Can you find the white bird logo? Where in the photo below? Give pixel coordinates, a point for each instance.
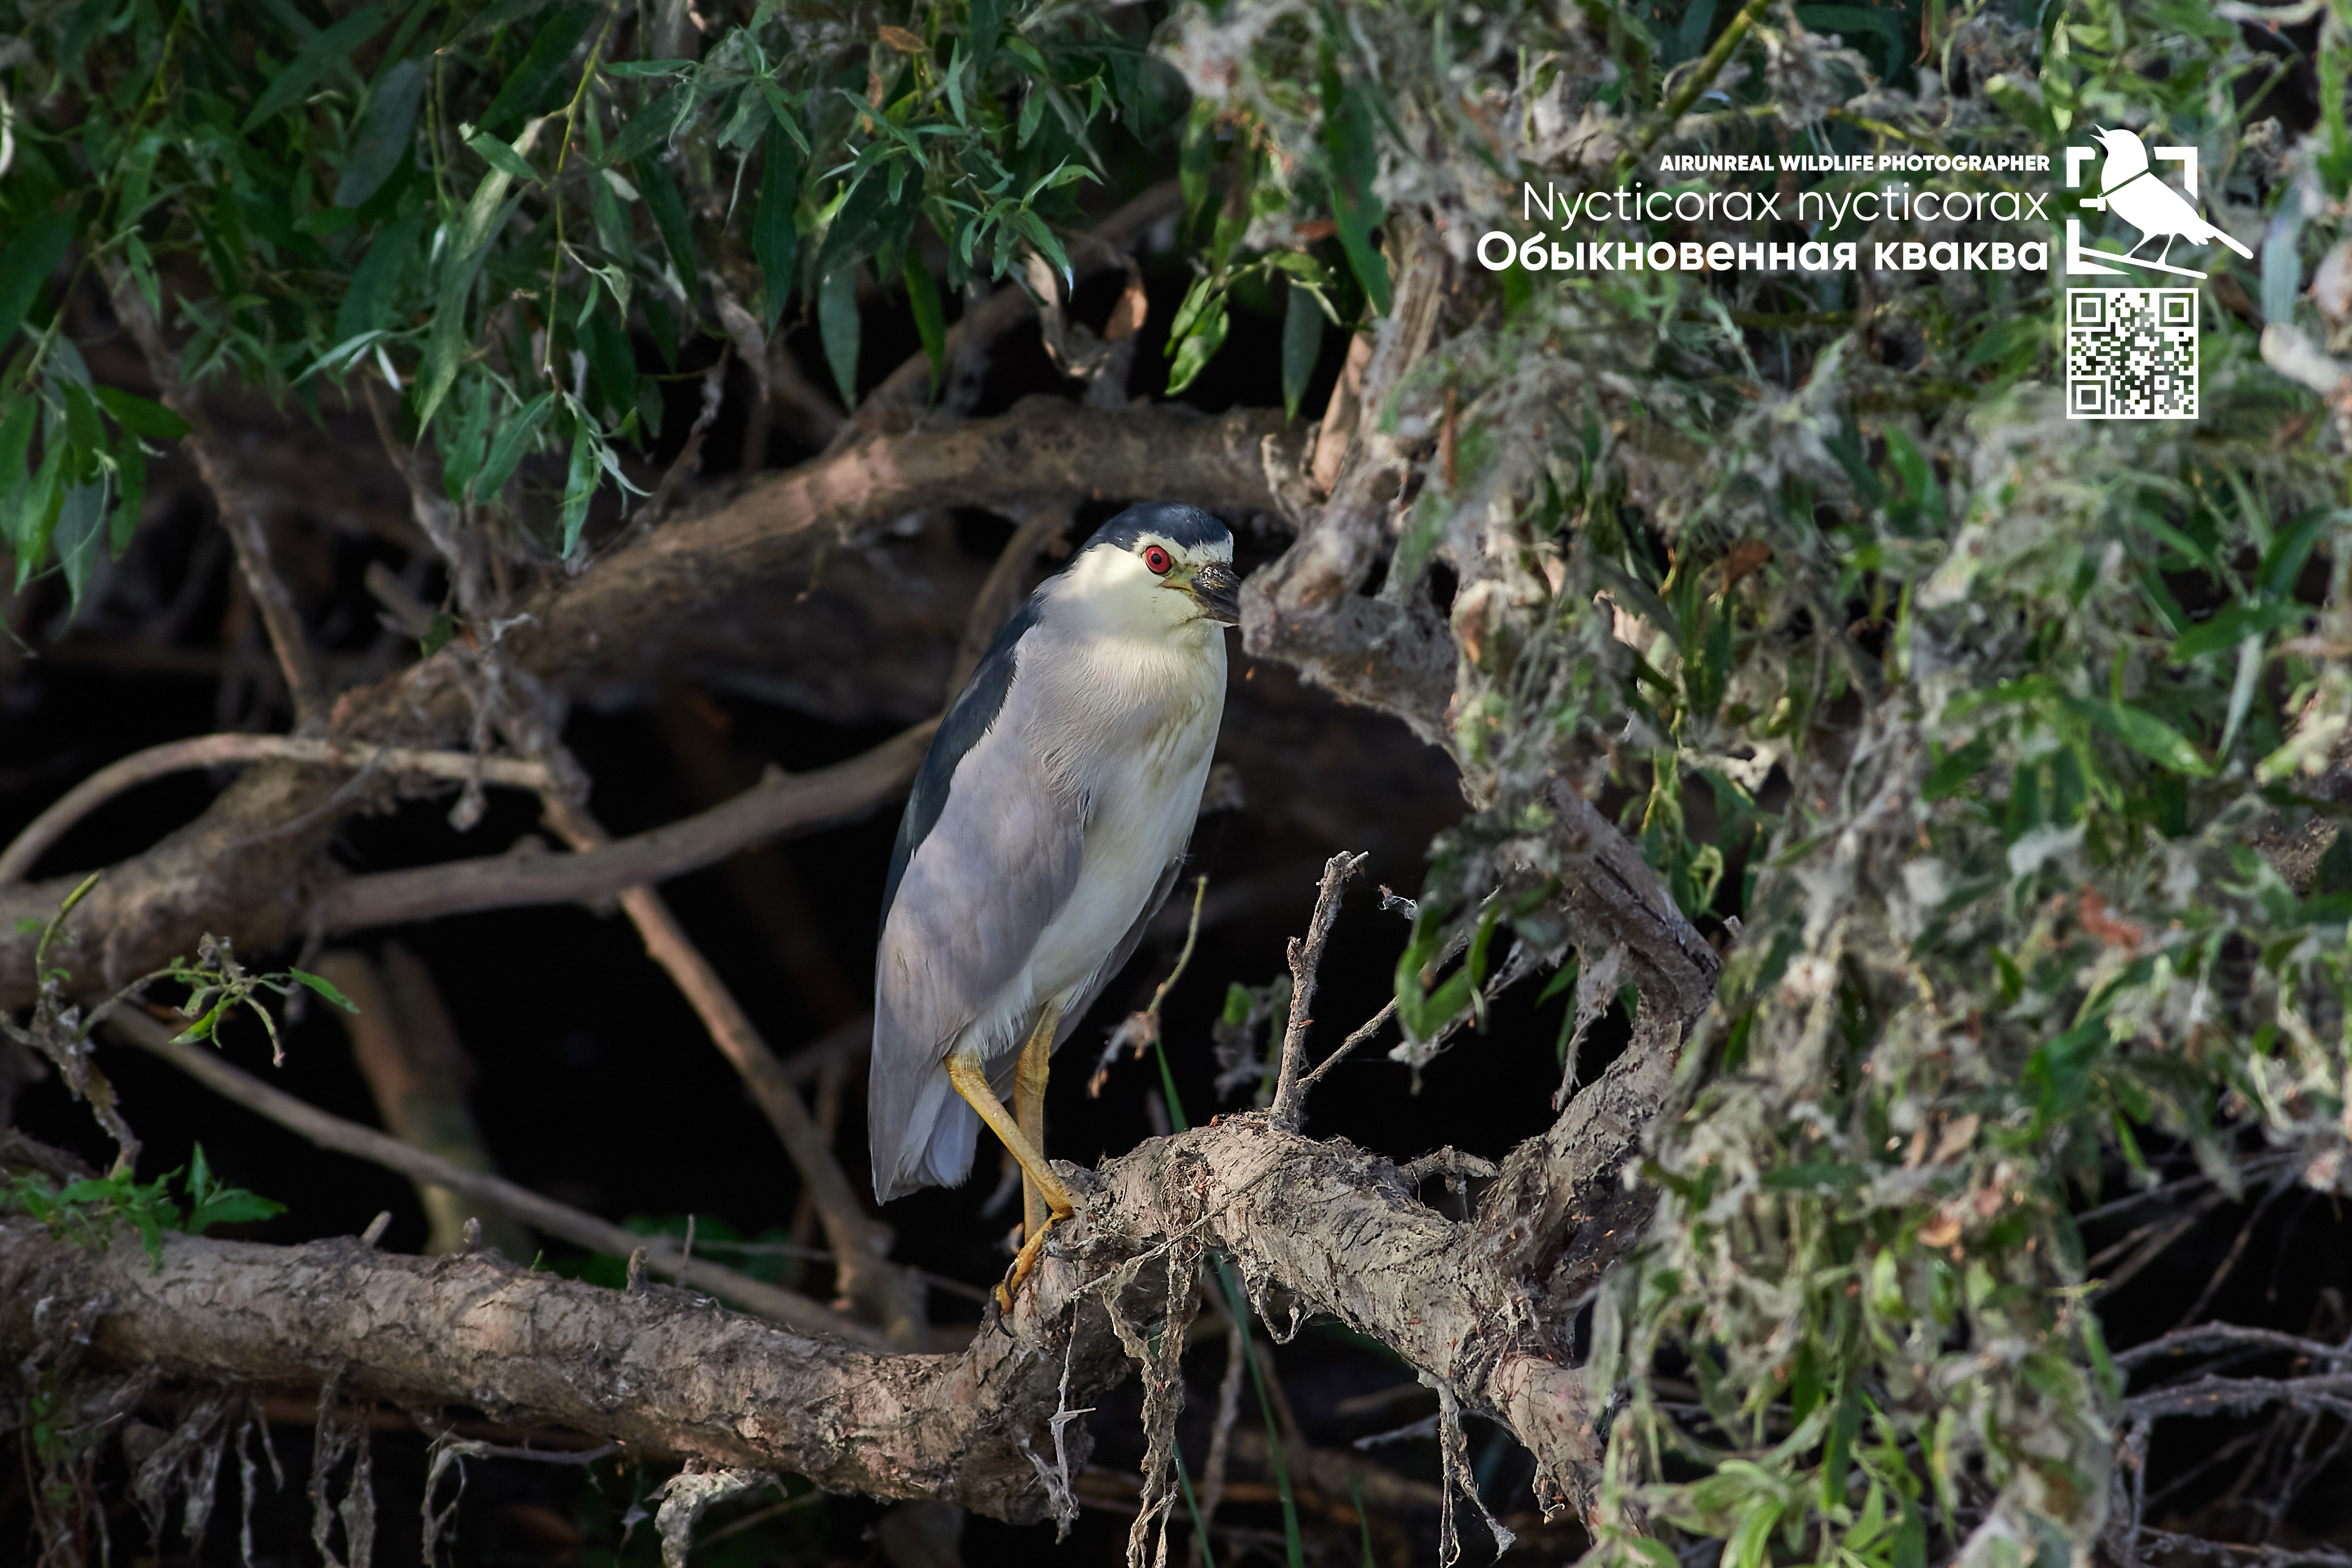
(2132, 192)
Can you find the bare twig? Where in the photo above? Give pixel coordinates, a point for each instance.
(238, 515)
(1703, 75)
(1290, 1090)
(859, 1244)
(2160, 1234)
(2237, 1251)
(1229, 1407)
(544, 1214)
(2210, 1336)
(781, 805)
(1142, 1030)
(215, 750)
(449, 1433)
(2236, 1395)
(2253, 1556)
(820, 1255)
(829, 1080)
(1370, 1027)
(2257, 1169)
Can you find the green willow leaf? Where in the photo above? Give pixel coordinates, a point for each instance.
(579, 483)
(325, 988)
(648, 126)
(15, 446)
(316, 58)
(384, 134)
(514, 439)
(775, 235)
(855, 227)
(461, 450)
(32, 254)
(81, 421)
(1355, 159)
(528, 86)
(930, 317)
(837, 324)
(469, 248)
(2282, 562)
(78, 531)
(2231, 624)
(1302, 343)
(668, 208)
(2145, 733)
(1197, 160)
(613, 359)
(499, 16)
(375, 282)
(499, 155)
(141, 416)
(1955, 769)
(32, 512)
(1200, 345)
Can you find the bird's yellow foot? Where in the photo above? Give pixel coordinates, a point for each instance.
(1025, 1262)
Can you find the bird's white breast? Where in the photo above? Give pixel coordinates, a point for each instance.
(1127, 726)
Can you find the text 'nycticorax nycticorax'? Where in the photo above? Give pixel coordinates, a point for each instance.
(1045, 828)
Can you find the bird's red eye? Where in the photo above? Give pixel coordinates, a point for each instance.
(1157, 559)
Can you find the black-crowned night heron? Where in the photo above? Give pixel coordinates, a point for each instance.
(1045, 828)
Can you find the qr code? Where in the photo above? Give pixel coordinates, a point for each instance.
(2131, 353)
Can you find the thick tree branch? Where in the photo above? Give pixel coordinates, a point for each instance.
(658, 1370)
(241, 870)
(1336, 1226)
(1613, 897)
(207, 1068)
(215, 750)
(1391, 651)
(1044, 447)
(777, 806)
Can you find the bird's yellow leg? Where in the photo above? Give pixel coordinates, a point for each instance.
(1029, 1110)
(971, 1080)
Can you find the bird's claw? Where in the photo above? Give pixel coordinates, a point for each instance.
(1024, 1263)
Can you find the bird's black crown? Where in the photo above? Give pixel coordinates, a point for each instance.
(1187, 527)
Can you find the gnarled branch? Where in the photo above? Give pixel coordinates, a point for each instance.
(241, 870)
(663, 1372)
(775, 807)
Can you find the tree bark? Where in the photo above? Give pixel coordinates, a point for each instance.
(669, 1373)
(248, 869)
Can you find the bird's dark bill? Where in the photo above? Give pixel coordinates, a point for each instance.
(1219, 592)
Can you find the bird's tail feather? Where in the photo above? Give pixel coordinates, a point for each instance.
(955, 1135)
(931, 1147)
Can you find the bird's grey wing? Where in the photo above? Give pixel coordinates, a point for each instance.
(987, 854)
(1124, 951)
